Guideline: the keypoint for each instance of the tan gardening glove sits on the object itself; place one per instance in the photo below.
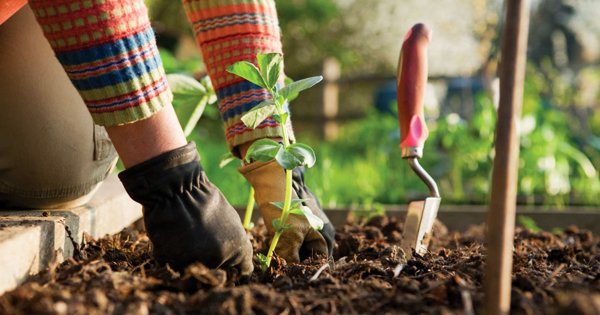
(301, 240)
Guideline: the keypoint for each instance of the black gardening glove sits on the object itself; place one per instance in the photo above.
(187, 218)
(313, 203)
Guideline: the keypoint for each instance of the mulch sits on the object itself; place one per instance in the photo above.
(552, 274)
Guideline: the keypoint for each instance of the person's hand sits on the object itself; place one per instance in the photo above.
(301, 240)
(187, 218)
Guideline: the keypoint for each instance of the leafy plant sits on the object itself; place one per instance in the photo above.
(190, 98)
(289, 156)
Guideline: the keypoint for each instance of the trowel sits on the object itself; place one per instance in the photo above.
(412, 80)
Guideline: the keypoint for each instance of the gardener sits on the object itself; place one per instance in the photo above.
(53, 155)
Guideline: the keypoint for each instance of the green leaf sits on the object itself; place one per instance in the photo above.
(287, 160)
(293, 203)
(186, 106)
(194, 117)
(247, 71)
(299, 86)
(263, 261)
(303, 153)
(225, 159)
(206, 82)
(281, 119)
(182, 85)
(212, 98)
(314, 221)
(263, 150)
(261, 257)
(189, 100)
(287, 227)
(287, 82)
(270, 66)
(276, 224)
(258, 113)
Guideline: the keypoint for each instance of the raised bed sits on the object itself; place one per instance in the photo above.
(552, 274)
(460, 218)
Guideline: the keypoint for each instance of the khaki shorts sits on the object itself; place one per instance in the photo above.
(51, 154)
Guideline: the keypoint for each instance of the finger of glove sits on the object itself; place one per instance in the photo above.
(289, 244)
(304, 192)
(239, 266)
(245, 269)
(328, 233)
(314, 245)
(268, 180)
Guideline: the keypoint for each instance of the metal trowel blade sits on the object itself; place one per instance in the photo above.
(419, 225)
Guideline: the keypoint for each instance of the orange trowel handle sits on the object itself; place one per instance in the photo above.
(412, 79)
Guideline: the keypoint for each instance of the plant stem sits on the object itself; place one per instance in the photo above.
(288, 188)
(249, 208)
(272, 249)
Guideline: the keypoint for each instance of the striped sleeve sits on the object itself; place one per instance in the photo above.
(109, 52)
(229, 31)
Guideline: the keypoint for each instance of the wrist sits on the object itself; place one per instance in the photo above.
(148, 138)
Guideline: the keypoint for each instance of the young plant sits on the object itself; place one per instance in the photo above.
(289, 156)
(190, 98)
(248, 225)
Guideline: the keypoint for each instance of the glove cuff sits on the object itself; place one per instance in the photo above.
(172, 168)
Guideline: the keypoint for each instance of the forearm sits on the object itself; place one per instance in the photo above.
(228, 32)
(108, 50)
(148, 138)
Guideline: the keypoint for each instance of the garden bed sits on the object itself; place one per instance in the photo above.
(553, 274)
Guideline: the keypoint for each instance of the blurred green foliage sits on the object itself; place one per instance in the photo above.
(529, 223)
(173, 65)
(364, 168)
(560, 130)
(312, 30)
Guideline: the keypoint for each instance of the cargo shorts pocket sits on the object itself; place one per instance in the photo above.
(103, 147)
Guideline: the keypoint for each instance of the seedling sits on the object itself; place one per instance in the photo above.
(190, 98)
(289, 156)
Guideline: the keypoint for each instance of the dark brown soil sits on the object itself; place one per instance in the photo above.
(553, 274)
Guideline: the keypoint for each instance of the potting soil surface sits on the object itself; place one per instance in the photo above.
(552, 274)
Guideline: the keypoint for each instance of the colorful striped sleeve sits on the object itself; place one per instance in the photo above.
(108, 50)
(229, 31)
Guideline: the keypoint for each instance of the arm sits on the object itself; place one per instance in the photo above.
(228, 32)
(108, 50)
(237, 30)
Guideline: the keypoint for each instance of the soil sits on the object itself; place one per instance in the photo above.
(552, 274)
